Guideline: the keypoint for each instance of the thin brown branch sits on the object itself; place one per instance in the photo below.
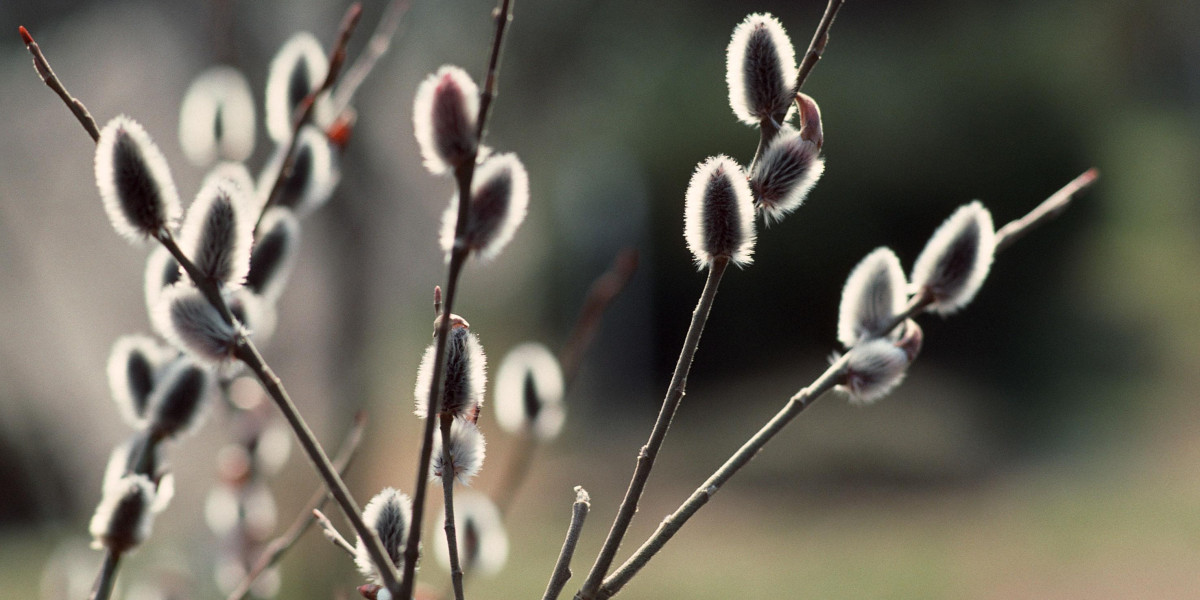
(645, 460)
(458, 255)
(602, 292)
(1048, 209)
(377, 46)
(337, 57)
(50, 79)
(795, 405)
(503, 16)
(562, 568)
(331, 533)
(768, 128)
(248, 354)
(275, 550)
(816, 48)
(456, 572)
(103, 587)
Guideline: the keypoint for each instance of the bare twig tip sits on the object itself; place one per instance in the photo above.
(28, 39)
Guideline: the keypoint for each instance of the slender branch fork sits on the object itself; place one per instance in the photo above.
(458, 255)
(767, 131)
(244, 348)
(645, 460)
(1048, 209)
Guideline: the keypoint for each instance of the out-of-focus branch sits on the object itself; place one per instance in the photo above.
(377, 46)
(280, 545)
(337, 58)
(604, 289)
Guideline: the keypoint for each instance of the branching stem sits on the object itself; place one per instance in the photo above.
(645, 459)
(612, 584)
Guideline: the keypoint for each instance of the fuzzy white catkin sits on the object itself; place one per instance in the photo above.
(237, 175)
(216, 119)
(123, 518)
(186, 319)
(482, 539)
(180, 401)
(874, 368)
(274, 253)
(315, 174)
(134, 181)
(132, 366)
(162, 271)
(297, 70)
(786, 173)
(388, 514)
(217, 233)
(957, 258)
(874, 294)
(465, 376)
(445, 113)
(719, 213)
(499, 202)
(529, 392)
(467, 452)
(760, 70)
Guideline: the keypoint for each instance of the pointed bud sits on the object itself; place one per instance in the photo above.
(465, 374)
(217, 233)
(162, 271)
(719, 213)
(467, 451)
(873, 369)
(123, 518)
(760, 68)
(786, 173)
(499, 201)
(912, 340)
(529, 392)
(180, 399)
(216, 120)
(388, 514)
(482, 540)
(297, 70)
(274, 253)
(445, 113)
(132, 365)
(314, 175)
(956, 260)
(874, 294)
(811, 129)
(185, 317)
(134, 181)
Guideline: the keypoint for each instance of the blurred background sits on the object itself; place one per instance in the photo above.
(1045, 445)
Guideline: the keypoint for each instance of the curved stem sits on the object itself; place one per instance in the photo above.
(645, 460)
(51, 79)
